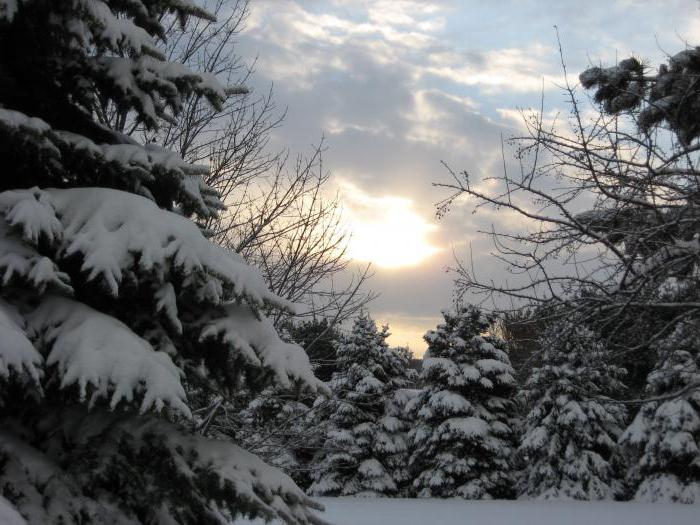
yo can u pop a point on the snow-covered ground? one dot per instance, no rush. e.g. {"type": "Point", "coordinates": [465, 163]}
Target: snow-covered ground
{"type": "Point", "coordinates": [356, 511]}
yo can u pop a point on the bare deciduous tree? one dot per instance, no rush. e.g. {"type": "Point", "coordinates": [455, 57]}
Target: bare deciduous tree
{"type": "Point", "coordinates": [611, 203]}
{"type": "Point", "coordinates": [279, 214]}
{"type": "Point", "coordinates": [293, 231]}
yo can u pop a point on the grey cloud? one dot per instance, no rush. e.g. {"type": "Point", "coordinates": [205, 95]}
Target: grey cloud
{"type": "Point", "coordinates": [364, 91]}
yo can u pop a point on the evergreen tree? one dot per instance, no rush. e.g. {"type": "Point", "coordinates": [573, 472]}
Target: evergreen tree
{"type": "Point", "coordinates": [352, 460]}
{"type": "Point", "coordinates": [569, 441]}
{"type": "Point", "coordinates": [112, 300]}
{"type": "Point", "coordinates": [668, 97]}
{"type": "Point", "coordinates": [663, 441]}
{"type": "Point", "coordinates": [279, 428]}
{"type": "Point", "coordinates": [318, 338]}
{"type": "Point", "coordinates": [391, 442]}
{"type": "Point", "coordinates": [464, 430]}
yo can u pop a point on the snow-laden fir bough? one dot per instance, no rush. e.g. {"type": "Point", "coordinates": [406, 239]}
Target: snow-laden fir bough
{"type": "Point", "coordinates": [114, 306]}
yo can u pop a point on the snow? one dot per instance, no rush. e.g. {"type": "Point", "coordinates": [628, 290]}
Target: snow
{"type": "Point", "coordinates": [16, 351]}
{"type": "Point", "coordinates": [8, 8]}
{"type": "Point", "coordinates": [436, 365]}
{"type": "Point", "coordinates": [117, 231]}
{"type": "Point", "coordinates": [8, 515]}
{"type": "Point", "coordinates": [141, 80]}
{"type": "Point", "coordinates": [467, 427]}
{"type": "Point", "coordinates": [117, 31]}
{"type": "Point", "coordinates": [391, 424]}
{"type": "Point", "coordinates": [371, 468]}
{"type": "Point", "coordinates": [272, 491]}
{"type": "Point", "coordinates": [50, 479]}
{"type": "Point", "coordinates": [450, 402]}
{"type": "Point", "coordinates": [166, 302]}
{"type": "Point", "coordinates": [91, 348]}
{"type": "Point", "coordinates": [364, 453]}
{"type": "Point", "coordinates": [19, 261]}
{"type": "Point", "coordinates": [370, 385]}
{"type": "Point", "coordinates": [362, 511]}
{"type": "Point", "coordinates": [149, 156]}
{"type": "Point", "coordinates": [17, 121]}
{"type": "Point", "coordinates": [488, 366]}
{"type": "Point", "coordinates": [668, 488]}
{"type": "Point", "coordinates": [143, 164]}
{"type": "Point", "coordinates": [49, 494]}
{"type": "Point", "coordinates": [257, 340]}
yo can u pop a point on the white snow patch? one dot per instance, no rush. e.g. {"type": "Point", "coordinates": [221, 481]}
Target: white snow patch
{"type": "Point", "coordinates": [8, 515]}
{"type": "Point", "coordinates": [382, 511]}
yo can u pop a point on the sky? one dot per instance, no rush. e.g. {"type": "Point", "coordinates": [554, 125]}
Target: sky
{"type": "Point", "coordinates": [397, 87]}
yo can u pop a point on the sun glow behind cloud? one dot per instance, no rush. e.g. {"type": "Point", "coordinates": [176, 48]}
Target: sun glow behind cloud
{"type": "Point", "coordinates": [386, 230]}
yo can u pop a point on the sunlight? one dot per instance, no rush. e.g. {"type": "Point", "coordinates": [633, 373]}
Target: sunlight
{"type": "Point", "coordinates": [386, 231]}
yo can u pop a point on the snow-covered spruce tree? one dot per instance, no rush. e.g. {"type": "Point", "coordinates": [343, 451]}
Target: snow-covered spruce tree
{"type": "Point", "coordinates": [391, 441]}
{"type": "Point", "coordinates": [463, 435]}
{"type": "Point", "coordinates": [663, 441]}
{"type": "Point", "coordinates": [280, 426]}
{"type": "Point", "coordinates": [112, 301]}
{"type": "Point", "coordinates": [287, 426]}
{"type": "Point", "coordinates": [352, 459]}
{"type": "Point", "coordinates": [569, 442]}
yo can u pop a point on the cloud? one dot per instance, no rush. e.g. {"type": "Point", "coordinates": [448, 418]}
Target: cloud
{"type": "Point", "coordinates": [387, 128]}
{"type": "Point", "coordinates": [310, 43]}
{"type": "Point", "coordinates": [386, 230]}
{"type": "Point", "coordinates": [400, 85]}
{"type": "Point", "coordinates": [520, 70]}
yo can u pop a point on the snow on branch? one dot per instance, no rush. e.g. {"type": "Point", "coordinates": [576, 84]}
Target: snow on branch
{"type": "Point", "coordinates": [151, 85]}
{"type": "Point", "coordinates": [117, 32]}
{"type": "Point", "coordinates": [8, 515]}
{"type": "Point", "coordinates": [214, 473]}
{"type": "Point", "coordinates": [115, 231]}
{"type": "Point", "coordinates": [8, 9]}
{"type": "Point", "coordinates": [16, 350]}
{"type": "Point", "coordinates": [102, 355]}
{"type": "Point", "coordinates": [144, 169]}
{"type": "Point", "coordinates": [48, 493]}
{"type": "Point", "coordinates": [19, 261]}
{"type": "Point", "coordinates": [149, 165]}
{"type": "Point", "coordinates": [257, 340]}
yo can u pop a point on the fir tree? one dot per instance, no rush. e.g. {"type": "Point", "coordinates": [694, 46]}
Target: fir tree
{"type": "Point", "coordinates": [569, 441]}
{"type": "Point", "coordinates": [391, 442]}
{"type": "Point", "coordinates": [663, 441]}
{"type": "Point", "coordinates": [279, 428]}
{"type": "Point", "coordinates": [318, 338]}
{"type": "Point", "coordinates": [112, 300]}
{"type": "Point", "coordinates": [668, 97]}
{"type": "Point", "coordinates": [353, 457]}
{"type": "Point", "coordinates": [464, 430]}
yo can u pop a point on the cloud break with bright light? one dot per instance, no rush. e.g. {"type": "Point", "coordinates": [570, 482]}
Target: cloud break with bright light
{"type": "Point", "coordinates": [387, 231]}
